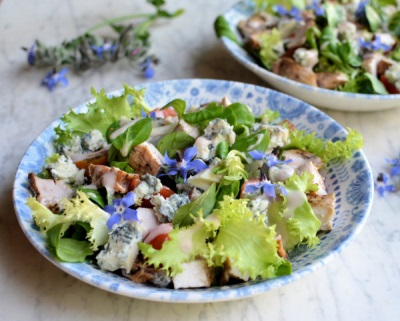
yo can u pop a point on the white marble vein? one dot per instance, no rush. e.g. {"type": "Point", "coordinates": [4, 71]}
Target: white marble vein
{"type": "Point", "coordinates": [362, 283]}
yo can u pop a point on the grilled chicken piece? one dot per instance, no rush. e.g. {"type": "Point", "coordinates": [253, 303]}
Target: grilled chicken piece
{"type": "Point", "coordinates": [148, 220]}
{"type": "Point", "coordinates": [299, 37]}
{"type": "Point", "coordinates": [257, 22]}
{"type": "Point", "coordinates": [141, 272]}
{"type": "Point", "coordinates": [331, 80]}
{"type": "Point", "coordinates": [113, 179]}
{"type": "Point", "coordinates": [145, 159]}
{"type": "Point", "coordinates": [300, 157]}
{"type": "Point", "coordinates": [281, 250]}
{"type": "Point", "coordinates": [376, 63]}
{"type": "Point", "coordinates": [287, 67]}
{"type": "Point", "coordinates": [49, 192]}
{"type": "Point", "coordinates": [195, 274]}
{"type": "Point", "coordinates": [231, 273]}
{"type": "Point", "coordinates": [324, 209]}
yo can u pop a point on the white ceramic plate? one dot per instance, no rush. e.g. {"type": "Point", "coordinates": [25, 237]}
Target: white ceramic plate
{"type": "Point", "coordinates": [319, 97]}
{"type": "Point", "coordinates": [351, 181]}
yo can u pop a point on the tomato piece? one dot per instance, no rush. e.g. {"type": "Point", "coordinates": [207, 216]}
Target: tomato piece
{"type": "Point", "coordinates": [159, 240]}
{"type": "Point", "coordinates": [164, 192]}
{"type": "Point", "coordinates": [391, 88]}
{"type": "Point", "coordinates": [84, 164]}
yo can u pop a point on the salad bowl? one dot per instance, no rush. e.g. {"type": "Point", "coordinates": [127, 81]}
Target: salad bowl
{"type": "Point", "coordinates": [319, 97]}
{"type": "Point", "coordinates": [350, 180]}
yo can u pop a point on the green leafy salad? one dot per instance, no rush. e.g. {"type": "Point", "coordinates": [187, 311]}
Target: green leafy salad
{"type": "Point", "coordinates": [183, 196]}
{"type": "Point", "coordinates": [346, 45]}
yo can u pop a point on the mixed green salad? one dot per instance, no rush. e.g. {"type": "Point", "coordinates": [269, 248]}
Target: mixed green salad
{"type": "Point", "coordinates": [183, 196]}
{"type": "Point", "coordinates": [346, 45]}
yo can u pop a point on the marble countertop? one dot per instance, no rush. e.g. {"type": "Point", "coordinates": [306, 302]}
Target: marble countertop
{"type": "Point", "coordinates": [362, 283]}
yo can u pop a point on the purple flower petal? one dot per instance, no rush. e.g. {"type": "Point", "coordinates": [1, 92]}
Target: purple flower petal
{"type": "Point", "coordinates": [114, 219]}
{"type": "Point", "coordinates": [257, 155]}
{"type": "Point", "coordinates": [252, 188]}
{"type": "Point", "coordinates": [110, 209]}
{"type": "Point", "coordinates": [279, 9]}
{"type": "Point", "coordinates": [128, 200]}
{"type": "Point", "coordinates": [395, 171]}
{"type": "Point", "coordinates": [170, 162]}
{"type": "Point", "coordinates": [183, 170]}
{"type": "Point", "coordinates": [172, 172]}
{"type": "Point", "coordinates": [130, 215]}
{"type": "Point", "coordinates": [283, 190]}
{"type": "Point", "coordinates": [269, 189]}
{"type": "Point", "coordinates": [197, 165]}
{"type": "Point", "coordinates": [190, 153]}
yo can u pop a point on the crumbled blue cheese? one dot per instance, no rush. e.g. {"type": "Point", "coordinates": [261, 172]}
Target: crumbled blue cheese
{"type": "Point", "coordinates": [279, 135]}
{"type": "Point", "coordinates": [258, 205]}
{"type": "Point", "coordinates": [306, 57]}
{"type": "Point", "coordinates": [148, 185]}
{"type": "Point", "coordinates": [393, 75]}
{"type": "Point", "coordinates": [121, 250]}
{"type": "Point", "coordinates": [93, 140]}
{"type": "Point", "coordinates": [64, 169]}
{"type": "Point", "coordinates": [73, 147]}
{"type": "Point", "coordinates": [165, 209]}
{"type": "Point", "coordinates": [217, 131]}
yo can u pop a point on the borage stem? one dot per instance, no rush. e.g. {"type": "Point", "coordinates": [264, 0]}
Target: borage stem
{"type": "Point", "coordinates": [118, 19]}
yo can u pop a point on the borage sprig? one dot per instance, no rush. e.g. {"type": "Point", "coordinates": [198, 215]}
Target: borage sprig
{"type": "Point", "coordinates": [131, 41]}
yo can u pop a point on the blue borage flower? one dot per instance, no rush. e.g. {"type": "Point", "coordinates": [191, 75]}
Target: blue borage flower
{"type": "Point", "coordinates": [106, 47]}
{"type": "Point", "coordinates": [395, 162]}
{"type": "Point", "coordinates": [270, 159]}
{"type": "Point", "coordinates": [184, 164]}
{"type": "Point", "coordinates": [121, 210]}
{"type": "Point", "coordinates": [31, 55]}
{"type": "Point", "coordinates": [294, 12]}
{"type": "Point", "coordinates": [53, 78]}
{"type": "Point", "coordinates": [151, 114]}
{"type": "Point", "coordinates": [148, 69]}
{"type": "Point", "coordinates": [360, 12]}
{"type": "Point", "coordinates": [265, 187]}
{"type": "Point", "coordinates": [382, 185]}
{"type": "Point", "coordinates": [374, 45]}
{"type": "Point", "coordinates": [317, 8]}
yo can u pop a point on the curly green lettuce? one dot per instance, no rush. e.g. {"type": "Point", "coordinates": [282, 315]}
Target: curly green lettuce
{"type": "Point", "coordinates": [77, 209]}
{"type": "Point", "coordinates": [101, 113]}
{"type": "Point", "coordinates": [269, 41]}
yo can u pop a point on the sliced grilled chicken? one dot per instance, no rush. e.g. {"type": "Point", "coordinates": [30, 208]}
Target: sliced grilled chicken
{"type": "Point", "coordinates": [113, 179]}
{"type": "Point", "coordinates": [195, 274]}
{"type": "Point", "coordinates": [324, 209]}
{"type": "Point", "coordinates": [49, 192]}
{"type": "Point", "coordinates": [145, 159]}
{"type": "Point", "coordinates": [183, 126]}
{"type": "Point", "coordinates": [331, 80]}
{"type": "Point", "coordinates": [287, 67]}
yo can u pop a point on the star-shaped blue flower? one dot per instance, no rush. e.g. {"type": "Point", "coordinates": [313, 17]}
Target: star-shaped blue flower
{"type": "Point", "coordinates": [265, 187]}
{"type": "Point", "coordinates": [382, 185]}
{"type": "Point", "coordinates": [184, 165]}
{"type": "Point", "coordinates": [106, 47]}
{"type": "Point", "coordinates": [317, 8]}
{"type": "Point", "coordinates": [294, 12]}
{"type": "Point", "coordinates": [31, 55]}
{"type": "Point", "coordinates": [374, 45]}
{"type": "Point", "coordinates": [395, 162]}
{"type": "Point", "coordinates": [271, 159]}
{"type": "Point", "coordinates": [148, 69]}
{"type": "Point", "coordinates": [121, 210]}
{"type": "Point", "coordinates": [53, 78]}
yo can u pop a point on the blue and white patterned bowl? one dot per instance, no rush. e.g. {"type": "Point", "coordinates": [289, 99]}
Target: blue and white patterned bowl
{"type": "Point", "coordinates": [350, 180]}
{"type": "Point", "coordinates": [319, 97]}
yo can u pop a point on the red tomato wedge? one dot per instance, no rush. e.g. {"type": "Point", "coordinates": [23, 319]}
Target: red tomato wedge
{"type": "Point", "coordinates": [159, 240]}
{"type": "Point", "coordinates": [392, 89]}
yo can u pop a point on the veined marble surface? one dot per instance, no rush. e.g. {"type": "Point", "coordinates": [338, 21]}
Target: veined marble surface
{"type": "Point", "coordinates": [362, 283]}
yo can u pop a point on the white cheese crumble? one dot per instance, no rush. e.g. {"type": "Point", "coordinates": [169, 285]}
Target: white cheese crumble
{"type": "Point", "coordinates": [93, 140]}
{"type": "Point", "coordinates": [306, 57]}
{"type": "Point", "coordinates": [165, 209]}
{"type": "Point", "coordinates": [393, 75]}
{"type": "Point", "coordinates": [149, 185]}
{"type": "Point", "coordinates": [64, 169]}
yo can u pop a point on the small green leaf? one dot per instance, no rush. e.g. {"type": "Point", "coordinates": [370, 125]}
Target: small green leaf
{"type": "Point", "coordinates": [204, 204]}
{"type": "Point", "coordinates": [375, 84]}
{"type": "Point", "coordinates": [179, 105]}
{"type": "Point", "coordinates": [136, 134]}
{"type": "Point", "coordinates": [373, 18]}
{"type": "Point", "coordinates": [243, 115]}
{"type": "Point", "coordinates": [394, 24]}
{"type": "Point", "coordinates": [94, 195]}
{"type": "Point", "coordinates": [223, 29]}
{"type": "Point", "coordinates": [257, 141]}
{"type": "Point", "coordinates": [222, 149]}
{"type": "Point", "coordinates": [209, 113]}
{"type": "Point", "coordinates": [174, 142]}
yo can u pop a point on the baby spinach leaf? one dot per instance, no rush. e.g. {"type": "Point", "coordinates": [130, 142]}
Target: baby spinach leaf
{"type": "Point", "coordinates": [174, 142]}
{"type": "Point", "coordinates": [210, 112]}
{"type": "Point", "coordinates": [222, 149]}
{"type": "Point", "coordinates": [223, 29]}
{"type": "Point", "coordinates": [374, 20]}
{"type": "Point", "coordinates": [179, 105]}
{"type": "Point", "coordinates": [136, 134]}
{"type": "Point", "coordinates": [94, 195]}
{"type": "Point", "coordinates": [243, 115]}
{"type": "Point", "coordinates": [394, 24]}
{"type": "Point", "coordinates": [257, 141]}
{"type": "Point", "coordinates": [205, 203]}
{"type": "Point", "coordinates": [231, 189]}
